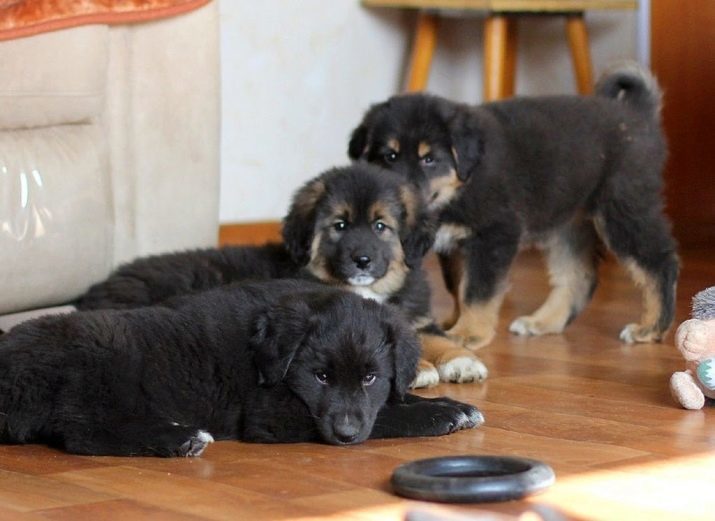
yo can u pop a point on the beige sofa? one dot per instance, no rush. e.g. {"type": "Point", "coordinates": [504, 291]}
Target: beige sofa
{"type": "Point", "coordinates": [108, 150]}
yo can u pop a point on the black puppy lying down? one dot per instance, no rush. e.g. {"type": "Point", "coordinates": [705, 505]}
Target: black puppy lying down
{"type": "Point", "coordinates": [279, 361]}
{"type": "Point", "coordinates": [353, 227]}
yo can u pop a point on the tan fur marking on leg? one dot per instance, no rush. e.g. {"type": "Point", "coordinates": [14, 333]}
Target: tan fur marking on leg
{"type": "Point", "coordinates": [647, 329]}
{"type": "Point", "coordinates": [453, 362]}
{"type": "Point", "coordinates": [571, 279]}
{"type": "Point", "coordinates": [454, 263]}
{"type": "Point", "coordinates": [477, 322]}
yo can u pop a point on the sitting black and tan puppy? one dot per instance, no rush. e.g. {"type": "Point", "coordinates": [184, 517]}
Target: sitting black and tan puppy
{"type": "Point", "coordinates": [352, 228]}
{"type": "Point", "coordinates": [278, 361]}
{"type": "Point", "coordinates": [558, 172]}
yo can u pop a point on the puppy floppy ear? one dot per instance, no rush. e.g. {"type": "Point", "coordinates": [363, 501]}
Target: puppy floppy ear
{"type": "Point", "coordinates": [299, 224]}
{"type": "Point", "coordinates": [405, 355]}
{"type": "Point", "coordinates": [418, 232]}
{"type": "Point", "coordinates": [358, 142]}
{"type": "Point", "coordinates": [467, 142]}
{"type": "Point", "coordinates": [278, 333]}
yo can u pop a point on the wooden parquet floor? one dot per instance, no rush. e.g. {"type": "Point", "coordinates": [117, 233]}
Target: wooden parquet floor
{"type": "Point", "coordinates": [596, 410]}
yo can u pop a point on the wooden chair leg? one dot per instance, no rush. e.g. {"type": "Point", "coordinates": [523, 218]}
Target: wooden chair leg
{"type": "Point", "coordinates": [499, 56]}
{"type": "Point", "coordinates": [580, 54]}
{"type": "Point", "coordinates": [510, 62]}
{"type": "Point", "coordinates": [422, 50]}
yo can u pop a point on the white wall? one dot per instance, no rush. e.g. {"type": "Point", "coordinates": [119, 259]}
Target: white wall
{"type": "Point", "coordinates": [297, 76]}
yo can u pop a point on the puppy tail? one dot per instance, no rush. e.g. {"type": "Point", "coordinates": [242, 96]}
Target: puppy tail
{"type": "Point", "coordinates": [632, 84]}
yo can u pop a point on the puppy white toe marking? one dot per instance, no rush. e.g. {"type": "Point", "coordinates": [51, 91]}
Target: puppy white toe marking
{"type": "Point", "coordinates": [520, 326]}
{"type": "Point", "coordinates": [462, 369]}
{"type": "Point", "coordinates": [204, 436]}
{"type": "Point", "coordinates": [628, 334]}
{"type": "Point", "coordinates": [425, 378]}
{"type": "Point", "coordinates": [196, 444]}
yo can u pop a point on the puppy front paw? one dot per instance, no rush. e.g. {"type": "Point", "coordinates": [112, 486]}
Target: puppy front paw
{"type": "Point", "coordinates": [462, 369]}
{"type": "Point", "coordinates": [195, 445]}
{"type": "Point", "coordinates": [427, 375]}
{"type": "Point", "coordinates": [457, 416]}
{"type": "Point", "coordinates": [531, 326]}
{"type": "Point", "coordinates": [636, 333]}
{"type": "Point", "coordinates": [470, 338]}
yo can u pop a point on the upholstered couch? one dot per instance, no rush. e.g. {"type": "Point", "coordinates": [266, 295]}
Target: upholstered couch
{"type": "Point", "coordinates": [108, 150]}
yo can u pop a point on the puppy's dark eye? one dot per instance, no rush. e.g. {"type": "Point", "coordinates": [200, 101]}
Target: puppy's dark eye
{"type": "Point", "coordinates": [391, 156]}
{"type": "Point", "coordinates": [380, 226]}
{"type": "Point", "coordinates": [427, 160]}
{"type": "Point", "coordinates": [340, 226]}
{"type": "Point", "coordinates": [369, 379]}
{"type": "Point", "coordinates": [322, 377]}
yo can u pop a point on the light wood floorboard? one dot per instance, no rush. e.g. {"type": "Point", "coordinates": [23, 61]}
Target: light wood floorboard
{"type": "Point", "coordinates": [598, 411]}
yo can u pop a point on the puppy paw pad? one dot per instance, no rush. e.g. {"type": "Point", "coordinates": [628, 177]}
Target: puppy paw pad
{"type": "Point", "coordinates": [462, 369]}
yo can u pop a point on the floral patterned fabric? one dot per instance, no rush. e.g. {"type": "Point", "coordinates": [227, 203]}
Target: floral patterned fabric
{"type": "Point", "coordinates": [20, 18]}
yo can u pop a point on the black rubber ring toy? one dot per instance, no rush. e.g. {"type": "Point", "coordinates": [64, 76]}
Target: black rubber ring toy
{"type": "Point", "coordinates": [471, 479]}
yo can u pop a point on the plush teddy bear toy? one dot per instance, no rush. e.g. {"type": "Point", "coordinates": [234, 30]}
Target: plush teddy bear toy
{"type": "Point", "coordinates": [695, 339]}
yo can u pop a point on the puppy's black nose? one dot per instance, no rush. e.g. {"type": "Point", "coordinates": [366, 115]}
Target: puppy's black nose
{"type": "Point", "coordinates": [346, 432]}
{"type": "Point", "coordinates": [362, 261]}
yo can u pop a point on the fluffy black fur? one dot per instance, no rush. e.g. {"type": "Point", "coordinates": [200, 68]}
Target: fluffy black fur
{"type": "Point", "coordinates": [348, 259]}
{"type": "Point", "coordinates": [556, 171]}
{"type": "Point", "coordinates": [353, 228]}
{"type": "Point", "coordinates": [279, 361]}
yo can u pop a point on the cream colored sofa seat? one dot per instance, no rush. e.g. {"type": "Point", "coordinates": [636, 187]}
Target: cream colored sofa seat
{"type": "Point", "coordinates": [108, 150]}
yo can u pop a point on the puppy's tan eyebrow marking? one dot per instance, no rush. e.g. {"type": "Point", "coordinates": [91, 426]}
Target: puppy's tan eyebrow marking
{"type": "Point", "coordinates": [423, 149]}
{"type": "Point", "coordinates": [382, 212]}
{"type": "Point", "coordinates": [341, 211]}
{"type": "Point", "coordinates": [394, 144]}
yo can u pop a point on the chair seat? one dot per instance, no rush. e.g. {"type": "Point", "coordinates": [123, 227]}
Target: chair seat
{"type": "Point", "coordinates": [510, 6]}
{"type": "Point", "coordinates": [499, 36]}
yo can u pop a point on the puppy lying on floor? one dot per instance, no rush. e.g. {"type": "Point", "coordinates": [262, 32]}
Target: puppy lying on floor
{"type": "Point", "coordinates": [560, 172]}
{"type": "Point", "coordinates": [279, 361]}
{"type": "Point", "coordinates": [353, 228]}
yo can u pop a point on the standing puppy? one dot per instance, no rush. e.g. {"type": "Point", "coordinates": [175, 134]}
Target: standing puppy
{"type": "Point", "coordinates": [558, 172]}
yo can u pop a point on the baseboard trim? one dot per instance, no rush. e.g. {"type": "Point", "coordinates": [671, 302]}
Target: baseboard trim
{"type": "Point", "coordinates": [249, 233]}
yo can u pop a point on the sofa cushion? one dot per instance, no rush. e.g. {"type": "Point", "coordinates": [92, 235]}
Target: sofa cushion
{"type": "Point", "coordinates": [56, 219]}
{"type": "Point", "coordinates": [53, 78]}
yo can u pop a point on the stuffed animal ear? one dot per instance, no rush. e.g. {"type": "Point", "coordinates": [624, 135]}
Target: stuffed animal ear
{"type": "Point", "coordinates": [405, 355]}
{"type": "Point", "coordinates": [418, 233]}
{"type": "Point", "coordinates": [358, 142]}
{"type": "Point", "coordinates": [278, 333]}
{"type": "Point", "coordinates": [299, 224]}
